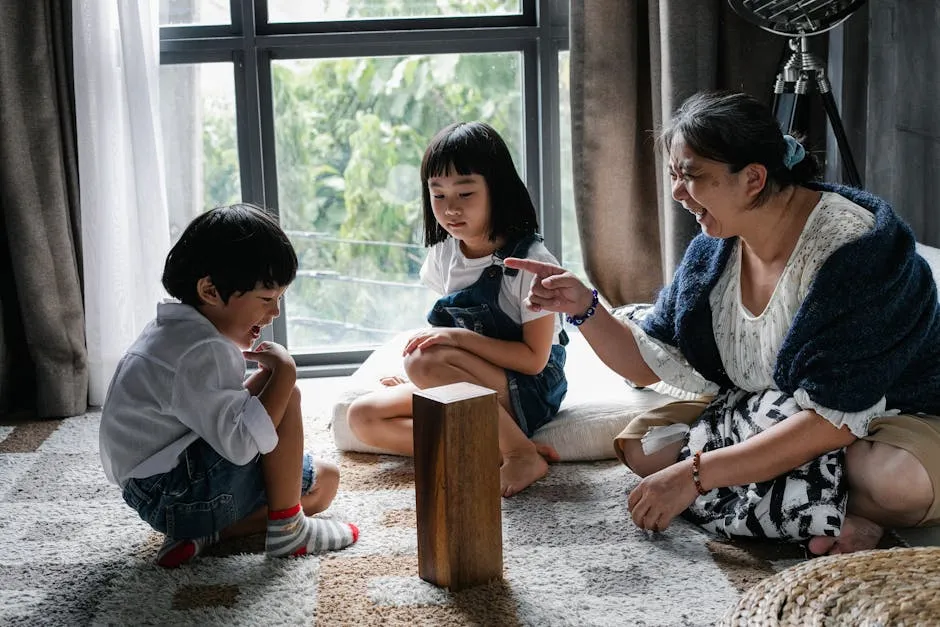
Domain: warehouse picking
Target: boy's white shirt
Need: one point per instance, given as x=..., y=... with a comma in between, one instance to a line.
x=181, y=380
x=446, y=270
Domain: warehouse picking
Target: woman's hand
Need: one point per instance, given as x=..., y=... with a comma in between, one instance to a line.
x=662, y=496
x=553, y=288
x=435, y=336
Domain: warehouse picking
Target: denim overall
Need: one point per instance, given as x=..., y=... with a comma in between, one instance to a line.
x=535, y=398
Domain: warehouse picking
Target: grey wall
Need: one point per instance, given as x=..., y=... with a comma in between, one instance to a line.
x=885, y=62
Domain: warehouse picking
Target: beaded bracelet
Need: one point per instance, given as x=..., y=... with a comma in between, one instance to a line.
x=696, y=461
x=579, y=320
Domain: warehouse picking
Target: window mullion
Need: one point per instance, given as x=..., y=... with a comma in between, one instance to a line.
x=531, y=122
x=257, y=48
x=549, y=155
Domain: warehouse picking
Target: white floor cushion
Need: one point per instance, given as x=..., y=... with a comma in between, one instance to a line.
x=599, y=403
x=598, y=406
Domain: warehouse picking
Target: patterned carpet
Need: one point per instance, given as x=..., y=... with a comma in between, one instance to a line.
x=71, y=553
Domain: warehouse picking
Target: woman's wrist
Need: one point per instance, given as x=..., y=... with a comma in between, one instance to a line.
x=697, y=473
x=590, y=311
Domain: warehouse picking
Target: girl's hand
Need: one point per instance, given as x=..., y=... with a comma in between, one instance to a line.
x=553, y=288
x=392, y=380
x=269, y=356
x=662, y=496
x=436, y=336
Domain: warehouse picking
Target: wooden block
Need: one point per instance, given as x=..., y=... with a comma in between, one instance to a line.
x=457, y=494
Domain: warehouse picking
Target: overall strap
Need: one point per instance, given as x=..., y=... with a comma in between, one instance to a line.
x=515, y=248
x=520, y=248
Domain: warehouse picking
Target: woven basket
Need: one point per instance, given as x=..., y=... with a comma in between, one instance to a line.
x=898, y=586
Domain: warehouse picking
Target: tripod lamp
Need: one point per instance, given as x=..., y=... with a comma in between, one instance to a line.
x=803, y=71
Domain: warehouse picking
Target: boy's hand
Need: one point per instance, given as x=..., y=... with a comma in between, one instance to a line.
x=269, y=355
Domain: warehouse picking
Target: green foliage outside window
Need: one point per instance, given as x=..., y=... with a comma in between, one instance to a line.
x=349, y=137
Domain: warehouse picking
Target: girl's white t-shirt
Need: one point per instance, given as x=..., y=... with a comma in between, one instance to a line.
x=446, y=270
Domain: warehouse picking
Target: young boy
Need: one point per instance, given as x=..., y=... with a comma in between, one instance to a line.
x=200, y=452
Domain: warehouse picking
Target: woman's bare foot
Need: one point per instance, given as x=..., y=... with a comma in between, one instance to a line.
x=520, y=470
x=858, y=534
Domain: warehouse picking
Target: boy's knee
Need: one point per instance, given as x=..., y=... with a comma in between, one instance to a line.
x=323, y=490
x=327, y=474
x=295, y=396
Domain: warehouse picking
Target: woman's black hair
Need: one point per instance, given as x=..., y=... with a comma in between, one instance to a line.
x=476, y=148
x=237, y=247
x=737, y=129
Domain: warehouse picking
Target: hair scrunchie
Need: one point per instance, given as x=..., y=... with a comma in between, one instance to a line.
x=795, y=152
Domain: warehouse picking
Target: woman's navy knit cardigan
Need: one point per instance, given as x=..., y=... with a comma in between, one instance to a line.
x=869, y=327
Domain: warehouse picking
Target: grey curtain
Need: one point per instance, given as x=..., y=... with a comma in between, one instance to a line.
x=894, y=60
x=42, y=331
x=632, y=65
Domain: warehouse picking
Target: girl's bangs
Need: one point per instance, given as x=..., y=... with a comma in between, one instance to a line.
x=452, y=155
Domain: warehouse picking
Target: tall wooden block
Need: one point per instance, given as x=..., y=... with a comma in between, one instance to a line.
x=457, y=494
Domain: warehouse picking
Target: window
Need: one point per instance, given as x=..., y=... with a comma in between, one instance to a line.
x=321, y=111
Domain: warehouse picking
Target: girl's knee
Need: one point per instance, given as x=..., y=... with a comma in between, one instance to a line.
x=361, y=415
x=419, y=365
x=425, y=367
x=364, y=412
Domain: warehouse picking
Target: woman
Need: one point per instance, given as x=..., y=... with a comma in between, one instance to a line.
x=806, y=320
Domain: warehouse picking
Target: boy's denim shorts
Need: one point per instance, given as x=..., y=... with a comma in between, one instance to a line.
x=204, y=493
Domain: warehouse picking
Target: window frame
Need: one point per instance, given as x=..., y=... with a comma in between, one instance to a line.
x=251, y=43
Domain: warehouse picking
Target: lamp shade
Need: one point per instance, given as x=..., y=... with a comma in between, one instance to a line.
x=796, y=18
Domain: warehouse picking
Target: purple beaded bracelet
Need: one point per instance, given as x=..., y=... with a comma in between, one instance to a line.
x=579, y=320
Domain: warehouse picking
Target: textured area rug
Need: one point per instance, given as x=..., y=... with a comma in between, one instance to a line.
x=71, y=552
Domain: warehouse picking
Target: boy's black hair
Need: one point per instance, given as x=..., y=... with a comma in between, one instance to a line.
x=237, y=247
x=476, y=148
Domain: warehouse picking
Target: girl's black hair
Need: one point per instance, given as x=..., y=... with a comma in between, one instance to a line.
x=476, y=148
x=737, y=129
x=237, y=247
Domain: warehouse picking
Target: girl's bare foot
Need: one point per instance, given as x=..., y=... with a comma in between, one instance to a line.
x=548, y=452
x=858, y=534
x=520, y=470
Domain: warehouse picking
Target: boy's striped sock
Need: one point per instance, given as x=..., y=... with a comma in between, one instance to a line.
x=292, y=533
x=175, y=553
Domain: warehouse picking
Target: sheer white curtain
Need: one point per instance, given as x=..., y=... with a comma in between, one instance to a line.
x=125, y=233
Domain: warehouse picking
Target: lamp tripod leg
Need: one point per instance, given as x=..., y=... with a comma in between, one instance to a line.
x=790, y=110
x=848, y=162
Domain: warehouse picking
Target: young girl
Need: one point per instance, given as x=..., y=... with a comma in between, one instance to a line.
x=477, y=212
x=199, y=452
